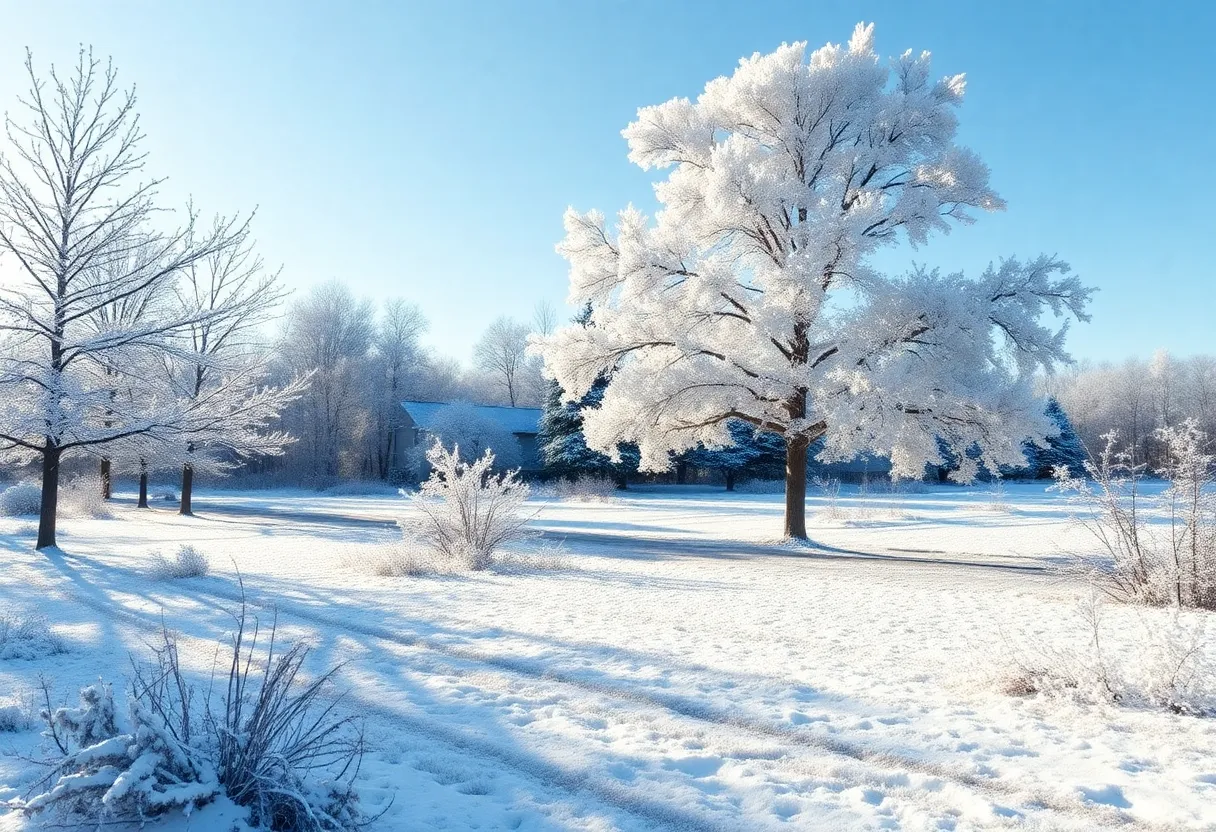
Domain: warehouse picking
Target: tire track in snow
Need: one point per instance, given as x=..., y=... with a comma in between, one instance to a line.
x=682, y=706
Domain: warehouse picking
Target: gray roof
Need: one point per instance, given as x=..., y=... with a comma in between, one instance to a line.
x=513, y=419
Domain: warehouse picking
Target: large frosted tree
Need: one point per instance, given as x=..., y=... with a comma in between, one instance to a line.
x=751, y=295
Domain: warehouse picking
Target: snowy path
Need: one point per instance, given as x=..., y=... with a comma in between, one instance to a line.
x=719, y=684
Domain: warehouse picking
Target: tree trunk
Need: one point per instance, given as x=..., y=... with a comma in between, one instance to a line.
x=143, y=485
x=50, y=497
x=105, y=479
x=795, y=486
x=187, y=489
x=730, y=480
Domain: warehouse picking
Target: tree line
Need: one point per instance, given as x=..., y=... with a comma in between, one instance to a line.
x=1136, y=397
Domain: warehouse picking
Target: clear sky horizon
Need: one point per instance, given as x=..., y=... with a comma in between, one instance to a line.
x=427, y=151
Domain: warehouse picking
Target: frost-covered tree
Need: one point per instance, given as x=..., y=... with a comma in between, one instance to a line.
x=77, y=229
x=329, y=334
x=563, y=448
x=751, y=295
x=502, y=354
x=222, y=366
x=397, y=363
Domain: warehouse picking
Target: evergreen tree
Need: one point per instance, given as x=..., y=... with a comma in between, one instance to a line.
x=563, y=449
x=754, y=453
x=1064, y=447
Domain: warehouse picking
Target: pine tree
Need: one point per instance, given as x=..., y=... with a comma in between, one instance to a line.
x=1064, y=447
x=754, y=453
x=563, y=448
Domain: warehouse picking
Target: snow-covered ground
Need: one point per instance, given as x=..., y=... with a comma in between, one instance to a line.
x=679, y=669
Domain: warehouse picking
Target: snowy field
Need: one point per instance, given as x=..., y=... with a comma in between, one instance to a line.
x=675, y=669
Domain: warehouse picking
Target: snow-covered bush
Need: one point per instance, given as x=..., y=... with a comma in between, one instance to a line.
x=187, y=562
x=829, y=488
x=14, y=717
x=586, y=488
x=278, y=748
x=398, y=559
x=1166, y=563
x=24, y=499
x=997, y=502
x=27, y=637
x=266, y=741
x=1136, y=657
x=108, y=774
x=168, y=496
x=81, y=497
x=465, y=511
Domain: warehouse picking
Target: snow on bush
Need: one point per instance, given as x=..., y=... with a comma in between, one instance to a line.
x=585, y=488
x=81, y=497
x=997, y=501
x=27, y=637
x=1137, y=657
x=108, y=774
x=279, y=749
x=399, y=559
x=187, y=562
x=21, y=500
x=1166, y=563
x=14, y=718
x=465, y=511
x=267, y=741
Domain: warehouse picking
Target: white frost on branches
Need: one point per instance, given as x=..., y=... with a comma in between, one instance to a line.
x=750, y=295
x=466, y=512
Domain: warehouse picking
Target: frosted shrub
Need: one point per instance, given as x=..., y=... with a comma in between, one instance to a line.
x=1166, y=563
x=1148, y=658
x=279, y=747
x=21, y=500
x=467, y=512
x=829, y=487
x=187, y=562
x=27, y=637
x=997, y=501
x=586, y=488
x=81, y=497
x=14, y=718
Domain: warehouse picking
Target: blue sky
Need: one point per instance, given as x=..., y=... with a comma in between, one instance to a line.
x=427, y=150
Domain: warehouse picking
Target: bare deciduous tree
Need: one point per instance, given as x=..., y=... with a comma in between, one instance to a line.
x=228, y=296
x=329, y=334
x=79, y=228
x=502, y=352
x=398, y=360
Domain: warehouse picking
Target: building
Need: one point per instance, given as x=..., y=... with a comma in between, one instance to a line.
x=521, y=422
